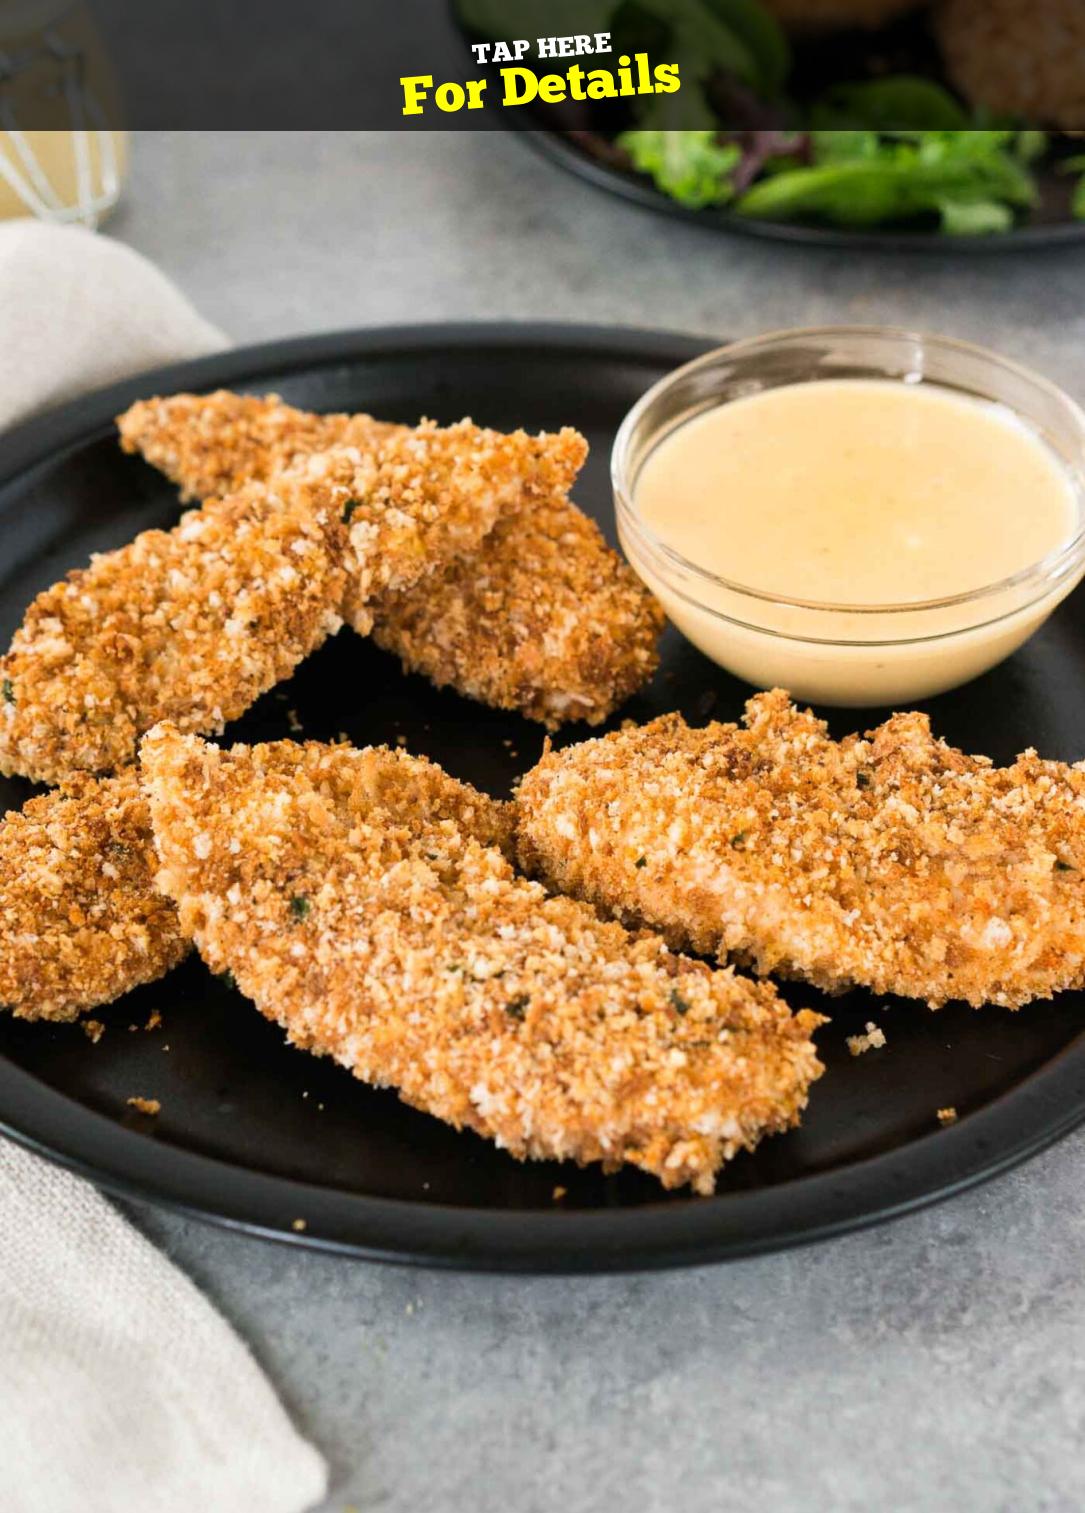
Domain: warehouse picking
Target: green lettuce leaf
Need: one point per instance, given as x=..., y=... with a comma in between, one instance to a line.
x=690, y=166
x=902, y=182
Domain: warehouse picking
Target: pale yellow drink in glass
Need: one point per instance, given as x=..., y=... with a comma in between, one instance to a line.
x=63, y=156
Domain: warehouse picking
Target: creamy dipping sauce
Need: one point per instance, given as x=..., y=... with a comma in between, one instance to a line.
x=858, y=491
x=866, y=493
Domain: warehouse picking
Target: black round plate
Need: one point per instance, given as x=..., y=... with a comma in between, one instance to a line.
x=256, y=1135
x=560, y=148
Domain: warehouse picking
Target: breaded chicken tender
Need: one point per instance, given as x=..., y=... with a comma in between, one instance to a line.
x=1022, y=61
x=190, y=624
x=456, y=479
x=890, y=860
x=401, y=515
x=362, y=900
x=80, y=920
x=194, y=624
x=546, y=620
x=543, y=618
x=213, y=444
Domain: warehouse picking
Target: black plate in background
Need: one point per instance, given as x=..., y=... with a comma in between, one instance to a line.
x=561, y=148
x=256, y=1135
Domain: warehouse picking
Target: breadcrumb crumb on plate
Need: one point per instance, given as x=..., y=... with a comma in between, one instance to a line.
x=361, y=902
x=890, y=861
x=872, y=1040
x=80, y=920
x=149, y=1106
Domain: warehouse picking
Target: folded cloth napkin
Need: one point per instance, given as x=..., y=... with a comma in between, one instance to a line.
x=78, y=311
x=121, y=1386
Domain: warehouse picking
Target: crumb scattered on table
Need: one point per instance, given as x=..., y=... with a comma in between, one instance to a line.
x=154, y=1020
x=299, y=1225
x=559, y=1193
x=947, y=1115
x=150, y=1106
x=93, y=1029
x=872, y=1040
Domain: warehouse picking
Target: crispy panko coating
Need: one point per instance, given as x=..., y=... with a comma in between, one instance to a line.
x=360, y=900
x=543, y=618
x=212, y=444
x=190, y=624
x=1017, y=60
x=824, y=15
x=194, y=624
x=80, y=920
x=891, y=861
x=458, y=479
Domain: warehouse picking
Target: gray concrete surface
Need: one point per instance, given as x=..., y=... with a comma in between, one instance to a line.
x=936, y=1363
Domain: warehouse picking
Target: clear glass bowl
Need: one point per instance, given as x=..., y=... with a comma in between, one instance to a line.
x=850, y=654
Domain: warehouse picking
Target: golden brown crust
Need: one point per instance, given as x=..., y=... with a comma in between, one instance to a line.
x=448, y=483
x=542, y=618
x=358, y=900
x=193, y=624
x=80, y=920
x=545, y=620
x=1017, y=60
x=458, y=481
x=893, y=861
x=190, y=624
x=213, y=444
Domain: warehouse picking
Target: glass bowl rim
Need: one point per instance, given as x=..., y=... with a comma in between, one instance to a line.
x=1046, y=572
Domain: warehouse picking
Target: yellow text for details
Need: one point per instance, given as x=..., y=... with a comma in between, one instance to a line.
x=522, y=86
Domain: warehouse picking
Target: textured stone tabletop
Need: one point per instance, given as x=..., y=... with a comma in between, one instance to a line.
x=937, y=1362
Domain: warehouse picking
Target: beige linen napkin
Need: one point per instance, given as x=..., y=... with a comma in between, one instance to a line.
x=78, y=311
x=121, y=1387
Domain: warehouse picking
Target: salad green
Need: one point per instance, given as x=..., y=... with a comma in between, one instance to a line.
x=863, y=153
x=693, y=167
x=972, y=180
x=975, y=182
